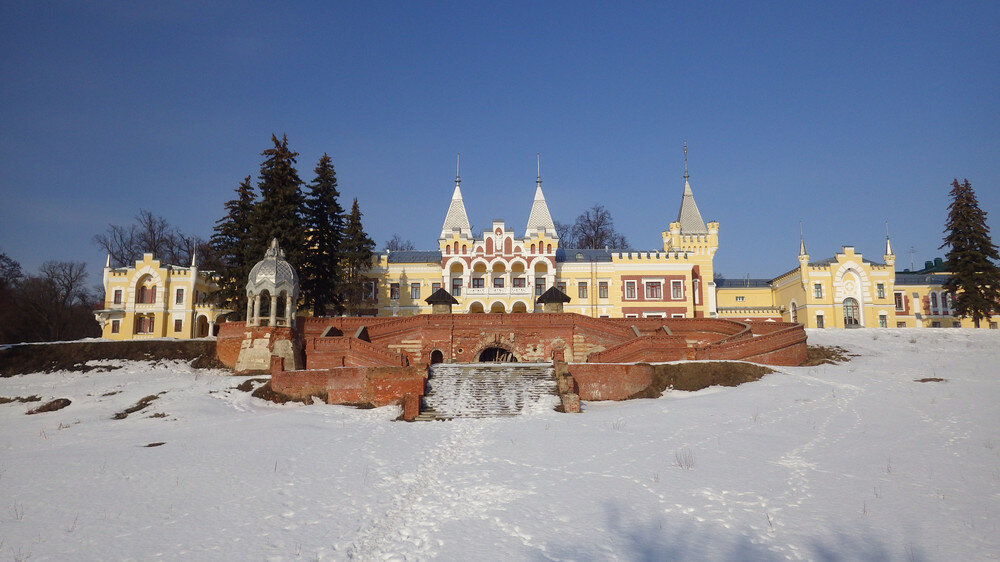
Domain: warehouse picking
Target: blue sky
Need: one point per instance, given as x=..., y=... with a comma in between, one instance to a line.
x=842, y=115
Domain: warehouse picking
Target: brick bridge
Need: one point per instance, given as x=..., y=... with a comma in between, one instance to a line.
x=379, y=360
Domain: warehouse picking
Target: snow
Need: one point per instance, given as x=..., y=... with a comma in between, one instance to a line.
x=851, y=461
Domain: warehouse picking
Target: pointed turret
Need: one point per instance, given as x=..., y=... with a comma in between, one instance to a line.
x=889, y=258
x=802, y=242
x=540, y=216
x=689, y=216
x=456, y=217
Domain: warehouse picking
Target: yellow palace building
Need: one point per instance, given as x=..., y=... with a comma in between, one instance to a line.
x=499, y=271
x=502, y=271
x=153, y=300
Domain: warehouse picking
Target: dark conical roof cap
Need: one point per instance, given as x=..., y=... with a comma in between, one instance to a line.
x=441, y=296
x=553, y=295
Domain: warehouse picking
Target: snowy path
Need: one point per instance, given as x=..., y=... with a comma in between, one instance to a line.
x=852, y=461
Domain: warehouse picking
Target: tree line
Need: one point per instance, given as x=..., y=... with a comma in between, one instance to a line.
x=53, y=305
x=326, y=245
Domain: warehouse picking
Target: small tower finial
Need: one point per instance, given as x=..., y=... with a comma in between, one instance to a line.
x=538, y=166
x=802, y=241
x=888, y=244
x=686, y=176
x=458, y=162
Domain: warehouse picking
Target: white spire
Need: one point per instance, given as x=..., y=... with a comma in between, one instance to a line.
x=888, y=244
x=689, y=216
x=456, y=217
x=802, y=242
x=539, y=216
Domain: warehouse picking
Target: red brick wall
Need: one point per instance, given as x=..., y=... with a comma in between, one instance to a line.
x=379, y=386
x=232, y=334
x=610, y=381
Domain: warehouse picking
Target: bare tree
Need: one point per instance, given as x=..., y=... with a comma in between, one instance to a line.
x=10, y=280
x=564, y=231
x=148, y=234
x=396, y=243
x=596, y=229
x=56, y=304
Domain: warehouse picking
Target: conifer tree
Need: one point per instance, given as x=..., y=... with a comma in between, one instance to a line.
x=971, y=258
x=231, y=241
x=358, y=251
x=278, y=213
x=324, y=221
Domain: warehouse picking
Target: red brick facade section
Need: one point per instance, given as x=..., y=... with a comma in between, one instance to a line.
x=232, y=334
x=378, y=386
x=608, y=381
x=352, y=371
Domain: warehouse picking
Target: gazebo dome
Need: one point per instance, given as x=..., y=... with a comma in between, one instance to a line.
x=273, y=273
x=272, y=290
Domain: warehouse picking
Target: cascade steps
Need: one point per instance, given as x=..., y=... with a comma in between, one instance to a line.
x=481, y=390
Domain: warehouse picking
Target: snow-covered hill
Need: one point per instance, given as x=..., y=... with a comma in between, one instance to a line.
x=852, y=461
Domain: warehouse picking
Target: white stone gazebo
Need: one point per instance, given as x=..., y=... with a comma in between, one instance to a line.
x=273, y=284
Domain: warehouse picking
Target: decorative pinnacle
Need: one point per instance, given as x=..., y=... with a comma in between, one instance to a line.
x=538, y=164
x=458, y=161
x=686, y=176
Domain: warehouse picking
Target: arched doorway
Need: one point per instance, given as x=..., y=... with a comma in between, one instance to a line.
x=437, y=357
x=498, y=308
x=519, y=307
x=496, y=355
x=202, y=327
x=852, y=312
x=476, y=308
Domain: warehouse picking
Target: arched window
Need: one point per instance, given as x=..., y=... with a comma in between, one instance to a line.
x=934, y=303
x=447, y=250
x=852, y=313
x=456, y=247
x=141, y=297
x=532, y=248
x=464, y=248
x=548, y=249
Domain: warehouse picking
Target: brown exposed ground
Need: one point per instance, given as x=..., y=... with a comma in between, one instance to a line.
x=141, y=404
x=823, y=355
x=57, y=404
x=73, y=356
x=700, y=374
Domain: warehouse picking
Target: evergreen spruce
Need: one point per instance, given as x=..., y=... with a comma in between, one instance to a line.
x=231, y=243
x=358, y=251
x=279, y=212
x=972, y=257
x=324, y=221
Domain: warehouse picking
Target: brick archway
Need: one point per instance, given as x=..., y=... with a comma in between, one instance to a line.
x=496, y=354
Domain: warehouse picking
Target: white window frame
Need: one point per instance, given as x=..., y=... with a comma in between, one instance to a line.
x=676, y=290
x=631, y=285
x=647, y=285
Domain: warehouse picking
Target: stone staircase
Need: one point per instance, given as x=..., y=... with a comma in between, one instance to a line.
x=481, y=390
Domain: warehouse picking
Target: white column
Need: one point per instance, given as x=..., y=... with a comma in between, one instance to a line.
x=250, y=310
x=289, y=313
x=274, y=309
